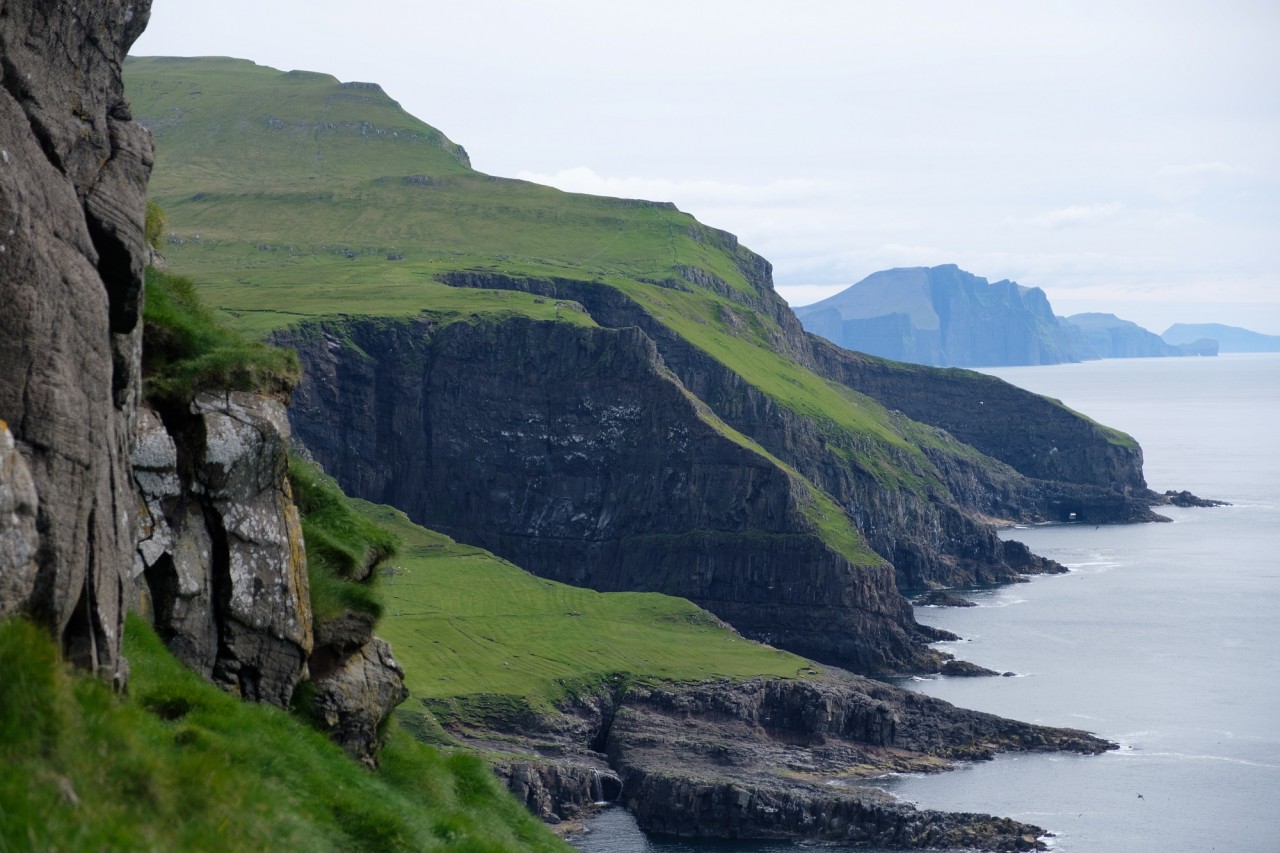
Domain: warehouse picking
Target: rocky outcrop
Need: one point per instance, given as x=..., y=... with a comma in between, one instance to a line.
x=73, y=172
x=220, y=543
x=559, y=792
x=764, y=758
x=351, y=701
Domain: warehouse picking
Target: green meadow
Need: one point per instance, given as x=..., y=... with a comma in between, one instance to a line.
x=464, y=622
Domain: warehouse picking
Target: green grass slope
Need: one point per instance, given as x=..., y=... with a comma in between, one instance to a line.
x=179, y=765
x=464, y=622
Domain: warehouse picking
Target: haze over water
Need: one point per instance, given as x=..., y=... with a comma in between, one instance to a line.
x=1161, y=638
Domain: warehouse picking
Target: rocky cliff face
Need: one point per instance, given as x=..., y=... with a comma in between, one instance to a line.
x=221, y=569
x=208, y=534
x=73, y=173
x=220, y=546
x=581, y=454
x=1037, y=437
x=574, y=452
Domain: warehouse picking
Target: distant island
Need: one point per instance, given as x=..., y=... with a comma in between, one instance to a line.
x=1229, y=338
x=1111, y=337
x=947, y=317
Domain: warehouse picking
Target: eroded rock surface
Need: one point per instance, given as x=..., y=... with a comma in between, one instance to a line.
x=19, y=538
x=220, y=545
x=73, y=173
x=764, y=758
x=574, y=452
x=351, y=701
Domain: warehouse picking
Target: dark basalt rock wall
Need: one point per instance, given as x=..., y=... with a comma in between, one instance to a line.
x=73, y=173
x=1037, y=437
x=574, y=452
x=925, y=532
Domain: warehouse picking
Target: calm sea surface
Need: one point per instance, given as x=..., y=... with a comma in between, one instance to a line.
x=1162, y=638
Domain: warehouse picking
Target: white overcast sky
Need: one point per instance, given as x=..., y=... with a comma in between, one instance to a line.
x=1123, y=156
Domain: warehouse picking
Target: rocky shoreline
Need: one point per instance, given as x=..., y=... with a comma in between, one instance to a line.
x=764, y=758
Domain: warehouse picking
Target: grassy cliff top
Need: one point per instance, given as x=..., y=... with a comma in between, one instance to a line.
x=289, y=192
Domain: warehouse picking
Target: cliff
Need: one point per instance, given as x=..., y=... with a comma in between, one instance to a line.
x=1228, y=338
x=73, y=174
x=943, y=316
x=579, y=457
x=1112, y=337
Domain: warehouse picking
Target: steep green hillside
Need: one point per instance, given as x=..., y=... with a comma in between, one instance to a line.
x=180, y=765
x=291, y=194
x=292, y=180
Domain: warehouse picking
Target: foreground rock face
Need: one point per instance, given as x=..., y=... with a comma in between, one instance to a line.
x=765, y=759
x=73, y=172
x=220, y=544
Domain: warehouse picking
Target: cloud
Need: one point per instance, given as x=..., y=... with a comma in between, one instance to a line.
x=783, y=193
x=1076, y=215
x=1197, y=170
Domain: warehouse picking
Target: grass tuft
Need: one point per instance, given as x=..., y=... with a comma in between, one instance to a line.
x=344, y=548
x=185, y=348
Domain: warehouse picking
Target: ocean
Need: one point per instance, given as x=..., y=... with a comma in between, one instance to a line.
x=1160, y=638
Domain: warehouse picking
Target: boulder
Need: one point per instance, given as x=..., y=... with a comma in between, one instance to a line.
x=351, y=702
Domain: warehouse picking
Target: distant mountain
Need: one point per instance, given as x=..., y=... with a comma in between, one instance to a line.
x=944, y=316
x=1112, y=337
x=1229, y=338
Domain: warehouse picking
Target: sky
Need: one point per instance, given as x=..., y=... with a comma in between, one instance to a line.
x=1122, y=156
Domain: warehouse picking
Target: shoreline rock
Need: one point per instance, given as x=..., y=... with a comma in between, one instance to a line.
x=763, y=758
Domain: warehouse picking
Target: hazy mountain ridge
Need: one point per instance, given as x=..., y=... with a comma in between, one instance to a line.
x=942, y=316
x=1229, y=338
x=946, y=317
x=1111, y=337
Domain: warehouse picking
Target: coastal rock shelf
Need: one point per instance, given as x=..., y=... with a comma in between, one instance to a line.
x=763, y=758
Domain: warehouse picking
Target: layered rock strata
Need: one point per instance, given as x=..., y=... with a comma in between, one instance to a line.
x=574, y=452
x=73, y=173
x=763, y=759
